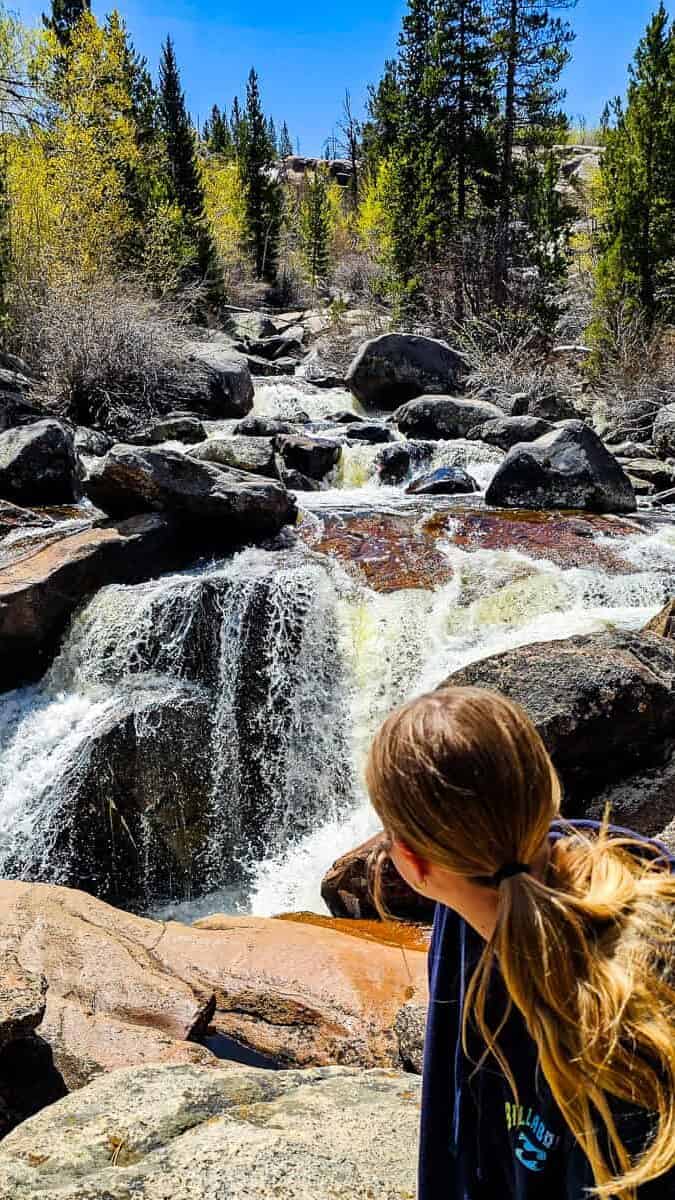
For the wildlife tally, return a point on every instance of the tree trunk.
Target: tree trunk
(504, 215)
(461, 170)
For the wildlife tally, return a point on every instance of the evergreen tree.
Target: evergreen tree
(218, 134)
(184, 177)
(261, 187)
(379, 133)
(638, 173)
(531, 48)
(285, 143)
(315, 225)
(64, 17)
(272, 134)
(238, 129)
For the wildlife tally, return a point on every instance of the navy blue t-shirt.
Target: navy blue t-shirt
(476, 1143)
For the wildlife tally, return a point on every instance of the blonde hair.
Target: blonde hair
(464, 779)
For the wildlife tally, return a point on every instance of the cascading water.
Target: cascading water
(198, 743)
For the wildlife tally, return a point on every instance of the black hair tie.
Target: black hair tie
(509, 870)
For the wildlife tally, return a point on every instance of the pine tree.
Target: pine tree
(285, 143)
(218, 134)
(531, 48)
(272, 134)
(315, 225)
(261, 187)
(184, 177)
(638, 173)
(380, 132)
(64, 17)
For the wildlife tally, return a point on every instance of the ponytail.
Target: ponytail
(586, 954)
(587, 959)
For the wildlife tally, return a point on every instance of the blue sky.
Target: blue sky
(307, 52)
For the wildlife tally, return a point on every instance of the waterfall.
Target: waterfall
(188, 726)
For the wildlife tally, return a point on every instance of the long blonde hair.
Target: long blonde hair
(463, 778)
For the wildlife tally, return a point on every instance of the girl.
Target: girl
(550, 1048)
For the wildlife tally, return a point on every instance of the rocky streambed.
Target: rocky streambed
(200, 629)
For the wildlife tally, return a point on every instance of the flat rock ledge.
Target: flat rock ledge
(181, 1132)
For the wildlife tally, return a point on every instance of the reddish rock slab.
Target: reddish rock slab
(40, 592)
(392, 551)
(125, 990)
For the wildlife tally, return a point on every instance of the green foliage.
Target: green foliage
(285, 143)
(185, 186)
(218, 134)
(315, 225)
(637, 268)
(263, 195)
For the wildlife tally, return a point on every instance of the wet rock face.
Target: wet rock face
(131, 822)
(396, 367)
(227, 509)
(38, 465)
(569, 468)
(192, 1134)
(446, 481)
(396, 461)
(443, 416)
(369, 431)
(604, 705)
(264, 427)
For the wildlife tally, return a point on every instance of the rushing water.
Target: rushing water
(218, 719)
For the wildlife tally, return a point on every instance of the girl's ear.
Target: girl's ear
(417, 867)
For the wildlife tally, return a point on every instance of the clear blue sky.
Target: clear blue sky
(307, 51)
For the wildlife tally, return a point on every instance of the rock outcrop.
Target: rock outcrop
(443, 417)
(603, 703)
(569, 468)
(38, 465)
(212, 380)
(225, 509)
(189, 1134)
(40, 592)
(126, 990)
(396, 367)
(175, 427)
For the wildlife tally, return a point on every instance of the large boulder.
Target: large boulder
(603, 703)
(127, 990)
(659, 475)
(253, 454)
(223, 508)
(38, 465)
(281, 345)
(568, 468)
(182, 1132)
(443, 417)
(663, 435)
(39, 594)
(506, 432)
(265, 427)
(92, 442)
(212, 380)
(396, 367)
(313, 457)
(445, 481)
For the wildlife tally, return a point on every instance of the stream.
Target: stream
(234, 702)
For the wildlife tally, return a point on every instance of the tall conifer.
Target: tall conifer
(261, 186)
